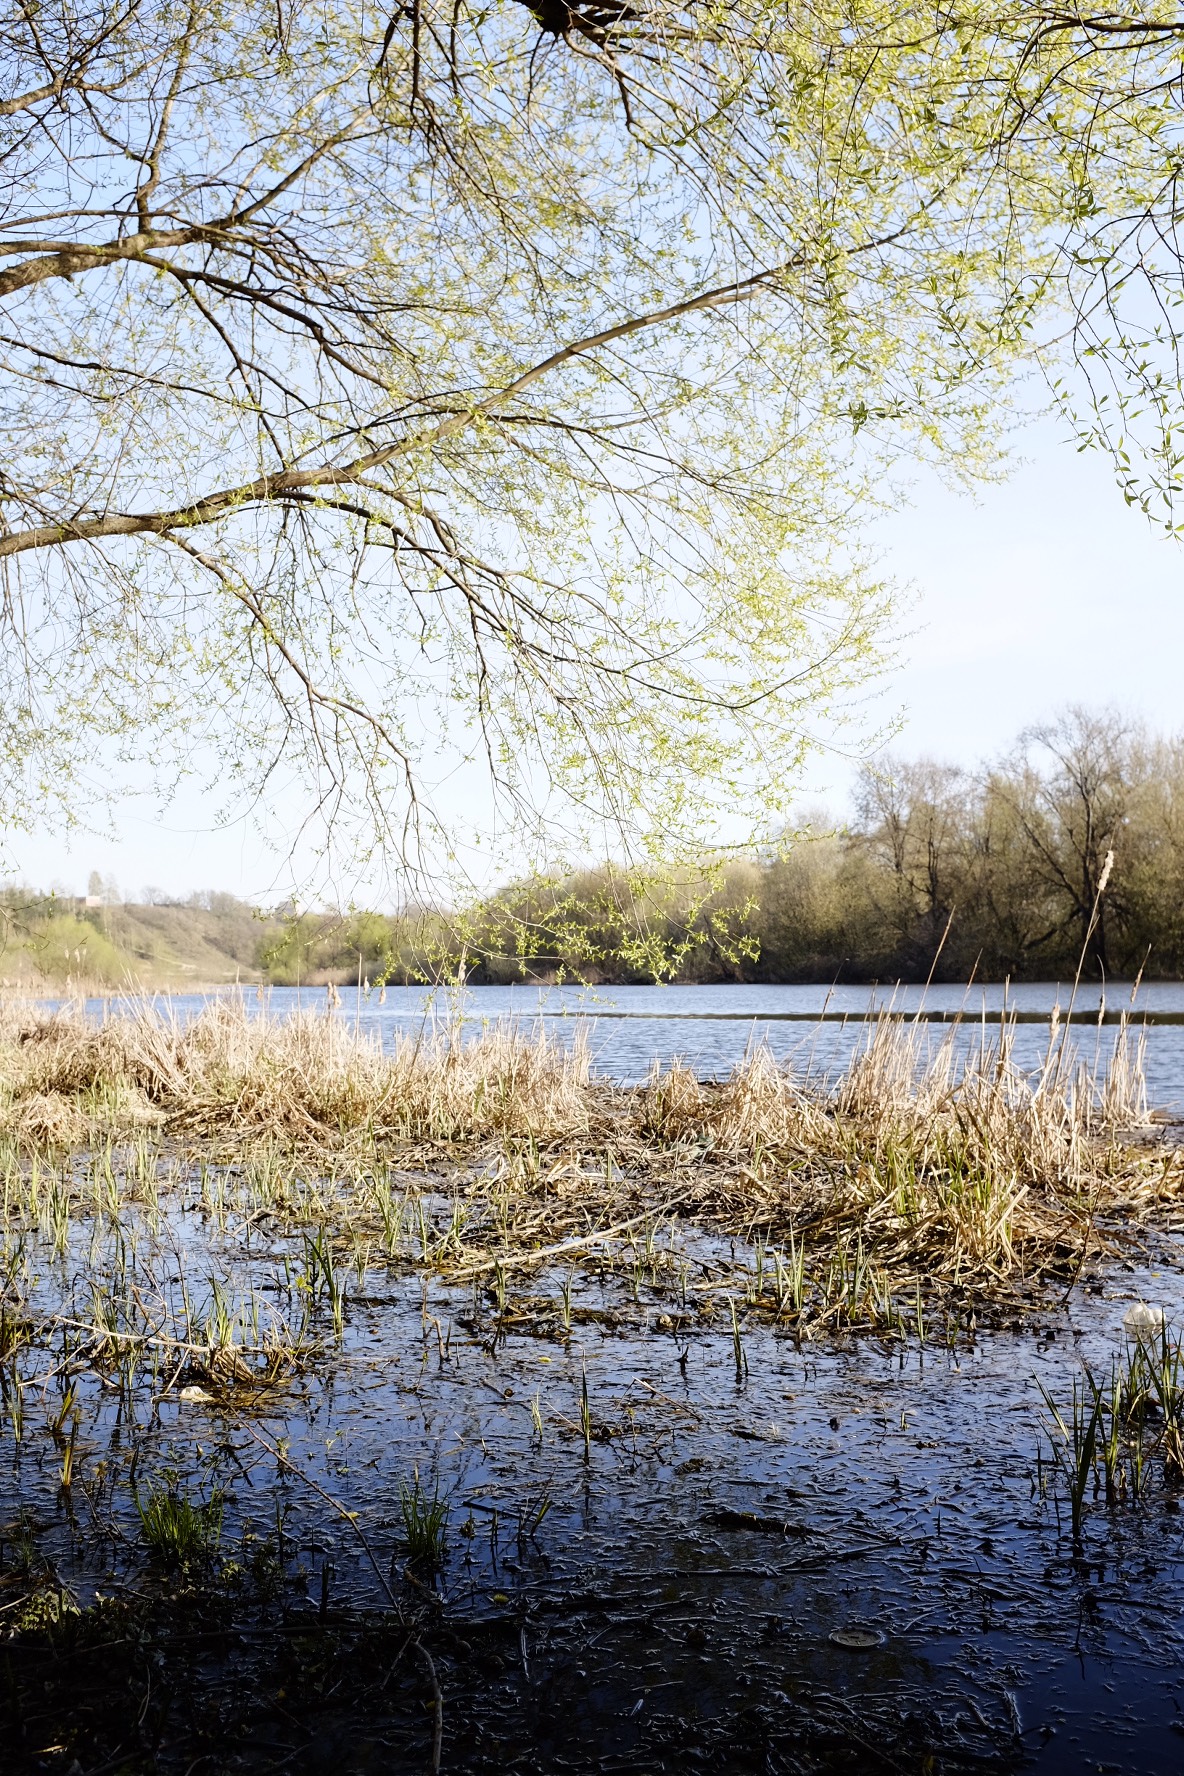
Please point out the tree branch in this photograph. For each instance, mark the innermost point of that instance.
(267, 489)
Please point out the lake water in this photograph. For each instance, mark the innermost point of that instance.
(812, 1028)
(658, 1592)
(660, 1596)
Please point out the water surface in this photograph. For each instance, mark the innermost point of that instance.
(815, 1029)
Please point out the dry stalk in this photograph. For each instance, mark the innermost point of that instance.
(955, 1172)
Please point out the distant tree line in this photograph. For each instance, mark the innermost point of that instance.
(988, 873)
(993, 872)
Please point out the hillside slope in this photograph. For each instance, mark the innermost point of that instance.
(58, 944)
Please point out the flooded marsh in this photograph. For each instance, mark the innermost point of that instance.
(457, 1410)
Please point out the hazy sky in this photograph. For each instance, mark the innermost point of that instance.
(1044, 591)
(1040, 592)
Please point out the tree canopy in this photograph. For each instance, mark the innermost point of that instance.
(1065, 852)
(509, 379)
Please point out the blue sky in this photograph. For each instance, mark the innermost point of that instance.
(1046, 590)
(1042, 591)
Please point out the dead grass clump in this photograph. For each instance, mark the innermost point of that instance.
(759, 1104)
(61, 1055)
(306, 1076)
(947, 1169)
(999, 1119)
(1122, 1098)
(925, 1165)
(47, 1119)
(498, 1084)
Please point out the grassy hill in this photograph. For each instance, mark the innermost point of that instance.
(61, 945)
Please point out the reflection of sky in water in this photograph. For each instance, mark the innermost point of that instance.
(711, 1027)
(911, 1472)
(908, 1473)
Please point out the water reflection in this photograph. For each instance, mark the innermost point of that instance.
(710, 1027)
(654, 1607)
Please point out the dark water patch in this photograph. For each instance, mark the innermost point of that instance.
(650, 1559)
(274, 1500)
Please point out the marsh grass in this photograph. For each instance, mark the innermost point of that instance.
(305, 1077)
(425, 1523)
(243, 1190)
(1119, 1431)
(481, 1162)
(179, 1532)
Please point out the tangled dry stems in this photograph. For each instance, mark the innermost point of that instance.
(309, 1077)
(969, 1171)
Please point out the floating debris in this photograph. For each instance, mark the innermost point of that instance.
(1142, 1322)
(753, 1520)
(856, 1638)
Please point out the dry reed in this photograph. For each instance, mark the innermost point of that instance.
(304, 1076)
(949, 1172)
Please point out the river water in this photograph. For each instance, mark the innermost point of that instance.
(815, 1029)
(670, 1591)
(650, 1550)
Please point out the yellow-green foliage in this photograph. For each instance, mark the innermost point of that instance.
(69, 948)
(600, 345)
(330, 945)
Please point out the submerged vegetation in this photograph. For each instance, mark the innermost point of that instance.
(179, 1531)
(1122, 1433)
(245, 1259)
(917, 1171)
